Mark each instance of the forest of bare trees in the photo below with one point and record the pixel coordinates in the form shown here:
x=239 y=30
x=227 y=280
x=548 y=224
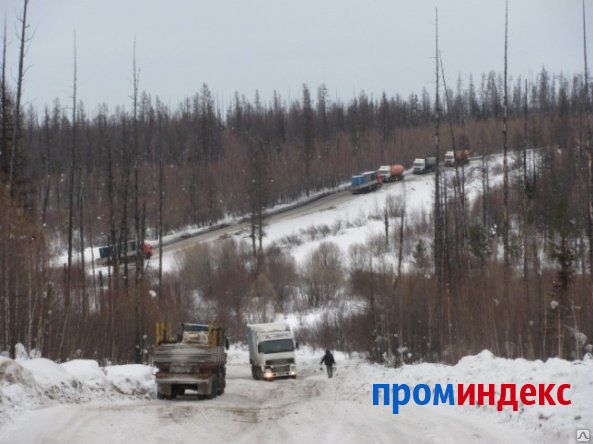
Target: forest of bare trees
x=72 y=177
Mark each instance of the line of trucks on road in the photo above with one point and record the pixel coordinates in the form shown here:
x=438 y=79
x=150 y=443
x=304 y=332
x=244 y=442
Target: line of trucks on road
x=371 y=180
x=195 y=357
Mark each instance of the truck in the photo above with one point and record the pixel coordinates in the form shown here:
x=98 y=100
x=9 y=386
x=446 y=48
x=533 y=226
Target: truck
x=364 y=182
x=127 y=252
x=457 y=157
x=423 y=165
x=391 y=173
x=194 y=359
x=271 y=351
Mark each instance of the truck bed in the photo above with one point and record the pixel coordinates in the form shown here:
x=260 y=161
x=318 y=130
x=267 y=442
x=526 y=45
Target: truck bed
x=188 y=354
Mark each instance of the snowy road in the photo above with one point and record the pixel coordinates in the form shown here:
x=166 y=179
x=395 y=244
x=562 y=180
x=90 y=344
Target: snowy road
x=356 y=215
x=297 y=217
x=311 y=408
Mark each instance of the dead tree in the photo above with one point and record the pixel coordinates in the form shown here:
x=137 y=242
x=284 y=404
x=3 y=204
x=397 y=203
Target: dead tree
x=19 y=92
x=588 y=144
x=438 y=219
x=505 y=166
x=138 y=232
x=68 y=293
x=308 y=136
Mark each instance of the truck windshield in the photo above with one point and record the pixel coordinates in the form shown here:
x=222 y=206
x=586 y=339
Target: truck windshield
x=276 y=346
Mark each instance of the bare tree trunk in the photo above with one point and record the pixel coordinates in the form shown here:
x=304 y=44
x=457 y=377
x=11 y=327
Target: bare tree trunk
x=19 y=92
x=139 y=238
x=588 y=147
x=438 y=227
x=85 y=296
x=68 y=296
x=161 y=199
x=505 y=166
x=505 y=187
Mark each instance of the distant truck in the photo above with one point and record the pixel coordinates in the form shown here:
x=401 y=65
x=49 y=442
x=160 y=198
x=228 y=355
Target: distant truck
x=195 y=359
x=364 y=183
x=424 y=165
x=458 y=157
x=128 y=252
x=391 y=173
x=271 y=351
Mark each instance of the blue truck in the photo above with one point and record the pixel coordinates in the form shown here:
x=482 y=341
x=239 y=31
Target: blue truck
x=364 y=182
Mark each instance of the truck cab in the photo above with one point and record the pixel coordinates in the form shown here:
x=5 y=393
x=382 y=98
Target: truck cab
x=384 y=172
x=419 y=166
x=271 y=351
x=450 y=158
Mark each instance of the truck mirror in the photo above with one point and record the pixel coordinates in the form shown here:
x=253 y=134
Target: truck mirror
x=226 y=343
x=296 y=345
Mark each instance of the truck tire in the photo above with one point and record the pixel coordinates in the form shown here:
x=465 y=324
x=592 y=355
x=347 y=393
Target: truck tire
x=214 y=390
x=222 y=384
x=254 y=372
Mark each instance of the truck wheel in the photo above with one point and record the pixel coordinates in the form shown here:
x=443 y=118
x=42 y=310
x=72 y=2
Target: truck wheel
x=214 y=390
x=159 y=395
x=254 y=372
x=222 y=384
x=179 y=391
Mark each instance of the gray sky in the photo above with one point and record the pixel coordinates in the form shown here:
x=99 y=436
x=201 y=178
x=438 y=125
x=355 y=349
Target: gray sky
x=234 y=45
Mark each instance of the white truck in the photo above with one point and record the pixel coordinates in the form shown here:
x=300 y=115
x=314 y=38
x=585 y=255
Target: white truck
x=271 y=351
x=423 y=165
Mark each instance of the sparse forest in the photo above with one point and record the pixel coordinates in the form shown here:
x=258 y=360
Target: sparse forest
x=511 y=271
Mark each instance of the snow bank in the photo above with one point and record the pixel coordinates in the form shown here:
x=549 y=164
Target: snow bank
x=27 y=384
x=557 y=422
x=131 y=379
x=87 y=372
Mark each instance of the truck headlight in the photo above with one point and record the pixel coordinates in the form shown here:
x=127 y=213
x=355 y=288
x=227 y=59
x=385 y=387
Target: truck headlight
x=268 y=373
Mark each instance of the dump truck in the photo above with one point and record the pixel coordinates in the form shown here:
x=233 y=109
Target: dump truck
x=194 y=359
x=391 y=173
x=423 y=165
x=364 y=182
x=271 y=351
x=458 y=157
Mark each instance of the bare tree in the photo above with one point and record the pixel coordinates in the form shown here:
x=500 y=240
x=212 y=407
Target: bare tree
x=19 y=92
x=438 y=218
x=68 y=294
x=505 y=164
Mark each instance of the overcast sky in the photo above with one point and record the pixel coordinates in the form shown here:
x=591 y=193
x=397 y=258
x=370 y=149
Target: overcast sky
x=244 y=45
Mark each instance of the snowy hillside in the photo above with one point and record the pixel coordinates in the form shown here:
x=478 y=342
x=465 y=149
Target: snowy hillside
x=42 y=398
x=347 y=219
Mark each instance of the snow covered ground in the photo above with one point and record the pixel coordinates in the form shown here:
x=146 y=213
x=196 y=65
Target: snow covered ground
x=338 y=217
x=360 y=217
x=191 y=230
x=79 y=402
x=27 y=384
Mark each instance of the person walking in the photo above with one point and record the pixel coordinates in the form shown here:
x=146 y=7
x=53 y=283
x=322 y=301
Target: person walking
x=329 y=361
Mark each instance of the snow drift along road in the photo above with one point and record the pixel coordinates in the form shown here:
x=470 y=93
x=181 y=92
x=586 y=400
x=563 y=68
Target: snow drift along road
x=311 y=408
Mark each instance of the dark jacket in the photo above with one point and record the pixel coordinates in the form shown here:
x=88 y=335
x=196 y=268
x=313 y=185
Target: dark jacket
x=328 y=359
